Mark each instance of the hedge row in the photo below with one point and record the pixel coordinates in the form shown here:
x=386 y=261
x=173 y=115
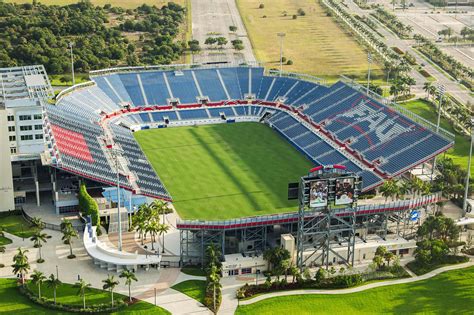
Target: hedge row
x=93 y=309
x=337 y=282
x=87 y=205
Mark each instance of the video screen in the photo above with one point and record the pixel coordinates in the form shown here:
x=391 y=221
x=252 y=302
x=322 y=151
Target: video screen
x=318 y=194
x=344 y=191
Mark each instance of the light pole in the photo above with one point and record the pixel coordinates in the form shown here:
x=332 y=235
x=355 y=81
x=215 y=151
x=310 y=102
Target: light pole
x=57 y=272
x=115 y=154
x=281 y=35
x=70 y=45
x=369 y=60
x=441 y=91
x=466 y=189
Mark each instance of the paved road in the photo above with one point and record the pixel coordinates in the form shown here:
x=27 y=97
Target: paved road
x=215 y=17
x=392 y=40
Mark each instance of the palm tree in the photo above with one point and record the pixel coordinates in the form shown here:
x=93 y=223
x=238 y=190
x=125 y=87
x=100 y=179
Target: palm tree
x=68 y=234
x=53 y=283
x=427 y=88
x=109 y=284
x=82 y=287
x=129 y=277
x=213 y=280
x=152 y=228
x=38 y=278
x=20 y=264
x=37 y=239
x=35 y=221
x=162 y=230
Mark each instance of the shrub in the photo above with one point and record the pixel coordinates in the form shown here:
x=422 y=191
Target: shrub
x=295 y=16
x=283 y=59
x=289 y=62
x=301 y=12
x=261 y=6
x=87 y=205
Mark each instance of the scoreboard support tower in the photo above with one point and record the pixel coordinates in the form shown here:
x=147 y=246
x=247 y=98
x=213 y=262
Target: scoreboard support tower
x=323 y=193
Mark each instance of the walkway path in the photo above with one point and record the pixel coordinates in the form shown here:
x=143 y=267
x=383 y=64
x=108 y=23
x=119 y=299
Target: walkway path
x=361 y=288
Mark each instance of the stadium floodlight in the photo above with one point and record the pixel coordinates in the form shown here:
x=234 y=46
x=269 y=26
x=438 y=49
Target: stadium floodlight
x=466 y=189
x=70 y=45
x=369 y=60
x=115 y=154
x=441 y=91
x=281 y=35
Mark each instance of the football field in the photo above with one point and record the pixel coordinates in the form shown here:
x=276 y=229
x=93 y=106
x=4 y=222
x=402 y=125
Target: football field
x=224 y=171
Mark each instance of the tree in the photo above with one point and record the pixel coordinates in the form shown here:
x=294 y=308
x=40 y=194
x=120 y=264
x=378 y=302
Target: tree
x=210 y=41
x=388 y=256
x=2 y=251
x=221 y=41
x=38 y=238
x=109 y=284
x=237 y=44
x=233 y=28
x=38 y=278
x=276 y=256
x=37 y=222
x=20 y=264
x=162 y=230
x=320 y=275
x=301 y=12
x=295 y=273
x=261 y=6
x=82 y=286
x=129 y=277
x=214 y=282
x=68 y=234
x=378 y=260
x=53 y=283
x=427 y=88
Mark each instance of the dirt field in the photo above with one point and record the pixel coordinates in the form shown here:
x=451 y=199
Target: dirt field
x=314 y=42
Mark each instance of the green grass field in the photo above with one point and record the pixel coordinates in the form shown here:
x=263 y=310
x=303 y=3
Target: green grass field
x=127 y=4
x=195 y=289
x=449 y=293
x=460 y=152
x=16 y=225
x=12 y=302
x=226 y=170
x=314 y=42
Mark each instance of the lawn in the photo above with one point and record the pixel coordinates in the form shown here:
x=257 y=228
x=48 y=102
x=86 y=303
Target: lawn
x=460 y=152
x=314 y=42
x=4 y=241
x=195 y=289
x=12 y=302
x=16 y=225
x=226 y=170
x=448 y=293
x=193 y=271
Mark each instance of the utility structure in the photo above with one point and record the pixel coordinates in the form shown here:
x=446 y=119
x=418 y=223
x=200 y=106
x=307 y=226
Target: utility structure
x=70 y=45
x=281 y=35
x=321 y=224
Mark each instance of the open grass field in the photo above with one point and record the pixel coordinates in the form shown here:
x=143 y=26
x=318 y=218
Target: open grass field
x=226 y=170
x=127 y=4
x=448 y=293
x=12 y=302
x=314 y=42
x=460 y=152
x=16 y=225
x=195 y=289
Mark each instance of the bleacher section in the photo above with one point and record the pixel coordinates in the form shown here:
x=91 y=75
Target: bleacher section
x=330 y=125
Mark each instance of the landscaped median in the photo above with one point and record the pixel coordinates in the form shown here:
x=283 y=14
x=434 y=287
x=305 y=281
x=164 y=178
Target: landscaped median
x=449 y=292
x=17 y=300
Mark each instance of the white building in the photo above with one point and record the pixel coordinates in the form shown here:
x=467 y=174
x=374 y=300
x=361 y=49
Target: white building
x=22 y=91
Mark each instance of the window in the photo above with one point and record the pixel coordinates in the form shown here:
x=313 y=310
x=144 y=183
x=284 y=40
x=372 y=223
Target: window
x=246 y=271
x=26 y=128
x=37 y=116
x=11 y=128
x=12 y=138
x=38 y=127
x=404 y=251
x=11 y=118
x=39 y=136
x=25 y=117
x=13 y=150
x=27 y=137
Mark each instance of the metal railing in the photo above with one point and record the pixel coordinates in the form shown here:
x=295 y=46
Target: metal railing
x=301 y=76
x=72 y=89
x=171 y=67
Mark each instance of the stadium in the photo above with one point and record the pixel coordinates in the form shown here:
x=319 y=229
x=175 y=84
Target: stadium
x=222 y=144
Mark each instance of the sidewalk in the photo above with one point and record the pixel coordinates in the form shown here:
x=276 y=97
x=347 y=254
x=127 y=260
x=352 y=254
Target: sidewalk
x=361 y=288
